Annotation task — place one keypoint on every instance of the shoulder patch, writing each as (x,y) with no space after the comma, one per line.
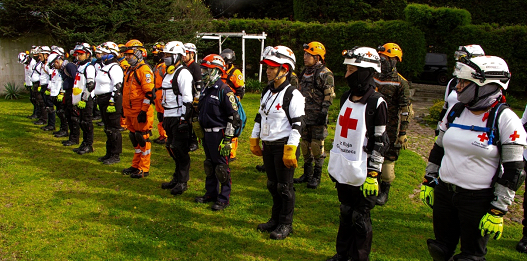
(148,77)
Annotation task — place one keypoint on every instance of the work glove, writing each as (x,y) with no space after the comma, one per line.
(141,117)
(492,223)
(47,92)
(195,103)
(197,129)
(38,89)
(110,108)
(289,157)
(225,146)
(255,146)
(60,97)
(81,105)
(427,190)
(370,186)
(402,140)
(77,91)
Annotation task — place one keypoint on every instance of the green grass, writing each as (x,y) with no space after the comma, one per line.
(57,205)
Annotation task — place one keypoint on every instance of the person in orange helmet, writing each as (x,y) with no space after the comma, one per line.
(159,74)
(138,95)
(124,65)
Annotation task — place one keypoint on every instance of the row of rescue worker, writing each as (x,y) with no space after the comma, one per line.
(288,117)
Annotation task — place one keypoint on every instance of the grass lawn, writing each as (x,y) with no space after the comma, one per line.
(57,205)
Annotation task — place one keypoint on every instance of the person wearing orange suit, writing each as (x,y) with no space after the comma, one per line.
(124,65)
(137,98)
(234,78)
(159,74)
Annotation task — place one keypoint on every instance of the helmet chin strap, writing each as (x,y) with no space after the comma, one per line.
(278,77)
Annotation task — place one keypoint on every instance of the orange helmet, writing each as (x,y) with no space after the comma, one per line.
(315,48)
(131,45)
(391,50)
(213,61)
(158,47)
(136,48)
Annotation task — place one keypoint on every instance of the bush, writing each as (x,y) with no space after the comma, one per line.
(435,112)
(12,91)
(253,85)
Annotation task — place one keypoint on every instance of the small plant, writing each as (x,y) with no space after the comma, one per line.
(12,91)
(253,85)
(435,112)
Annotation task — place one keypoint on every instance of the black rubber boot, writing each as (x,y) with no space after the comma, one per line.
(383,194)
(308,173)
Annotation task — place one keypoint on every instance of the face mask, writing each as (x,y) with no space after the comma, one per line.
(168,60)
(158,58)
(359,81)
(467,94)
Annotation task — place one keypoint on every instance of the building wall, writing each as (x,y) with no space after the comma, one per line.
(10,69)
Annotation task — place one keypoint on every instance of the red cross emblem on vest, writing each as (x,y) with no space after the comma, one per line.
(514,136)
(483,137)
(77,78)
(278,107)
(347,123)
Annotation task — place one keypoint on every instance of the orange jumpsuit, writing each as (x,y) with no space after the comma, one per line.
(138,81)
(234,78)
(159,74)
(124,65)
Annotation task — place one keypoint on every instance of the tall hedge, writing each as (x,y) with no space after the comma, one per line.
(335,36)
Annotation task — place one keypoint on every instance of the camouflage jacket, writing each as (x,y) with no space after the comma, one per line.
(319,96)
(396,92)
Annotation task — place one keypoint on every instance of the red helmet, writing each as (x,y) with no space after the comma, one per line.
(213,61)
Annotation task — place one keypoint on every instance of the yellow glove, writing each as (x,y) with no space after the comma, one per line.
(492,223)
(225,147)
(370,186)
(77,91)
(81,105)
(403,140)
(427,195)
(110,109)
(255,146)
(289,157)
(60,96)
(39,88)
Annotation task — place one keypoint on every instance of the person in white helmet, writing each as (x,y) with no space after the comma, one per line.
(177,104)
(57,90)
(278,124)
(43,80)
(28,62)
(357,155)
(190,60)
(522,244)
(476,164)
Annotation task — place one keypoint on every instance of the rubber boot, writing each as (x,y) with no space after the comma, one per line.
(317,173)
(308,173)
(383,194)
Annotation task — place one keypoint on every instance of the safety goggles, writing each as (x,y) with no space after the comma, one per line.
(271,51)
(484,75)
(461,56)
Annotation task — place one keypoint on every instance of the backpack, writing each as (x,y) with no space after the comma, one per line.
(241,112)
(288,96)
(492,122)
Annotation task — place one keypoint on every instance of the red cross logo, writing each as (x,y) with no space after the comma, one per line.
(278,107)
(514,136)
(368,54)
(347,123)
(483,137)
(77,78)
(290,52)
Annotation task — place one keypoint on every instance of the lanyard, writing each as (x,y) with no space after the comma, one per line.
(264,105)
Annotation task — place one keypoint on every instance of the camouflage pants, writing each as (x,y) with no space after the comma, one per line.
(312,143)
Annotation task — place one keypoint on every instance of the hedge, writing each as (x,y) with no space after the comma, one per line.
(336,37)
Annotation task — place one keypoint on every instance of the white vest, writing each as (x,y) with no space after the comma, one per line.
(107,77)
(55,84)
(83,72)
(172,103)
(347,159)
(35,75)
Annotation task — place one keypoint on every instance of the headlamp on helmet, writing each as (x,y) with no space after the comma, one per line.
(364,57)
(483,70)
(468,51)
(280,55)
(158,47)
(391,50)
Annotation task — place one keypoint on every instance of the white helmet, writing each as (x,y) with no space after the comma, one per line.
(190,47)
(51,59)
(109,48)
(34,50)
(44,49)
(174,47)
(483,70)
(364,57)
(57,50)
(23,57)
(278,55)
(469,51)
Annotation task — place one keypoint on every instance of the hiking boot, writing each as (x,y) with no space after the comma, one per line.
(69,143)
(60,134)
(193,146)
(383,193)
(34,116)
(267,227)
(100,124)
(103,158)
(129,170)
(204,199)
(169,185)
(160,140)
(313,183)
(40,122)
(112,160)
(48,128)
(522,245)
(80,147)
(338,257)
(85,149)
(139,174)
(260,168)
(178,189)
(308,173)
(219,206)
(282,231)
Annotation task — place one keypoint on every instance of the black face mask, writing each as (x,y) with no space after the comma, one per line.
(158,58)
(360,81)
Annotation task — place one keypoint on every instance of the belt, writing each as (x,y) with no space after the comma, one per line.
(215,129)
(276,142)
(457,189)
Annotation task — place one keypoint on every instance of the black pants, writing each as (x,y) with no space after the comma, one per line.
(112,122)
(457,213)
(61,113)
(72,116)
(33,99)
(84,118)
(524,221)
(280,183)
(39,100)
(355,230)
(48,103)
(177,147)
(215,189)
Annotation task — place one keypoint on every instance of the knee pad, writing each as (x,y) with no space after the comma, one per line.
(131,135)
(392,154)
(284,189)
(438,251)
(317,148)
(207,166)
(304,146)
(223,173)
(139,137)
(388,171)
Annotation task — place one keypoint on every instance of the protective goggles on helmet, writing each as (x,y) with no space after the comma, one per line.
(82,48)
(271,51)
(482,76)
(461,56)
(358,58)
